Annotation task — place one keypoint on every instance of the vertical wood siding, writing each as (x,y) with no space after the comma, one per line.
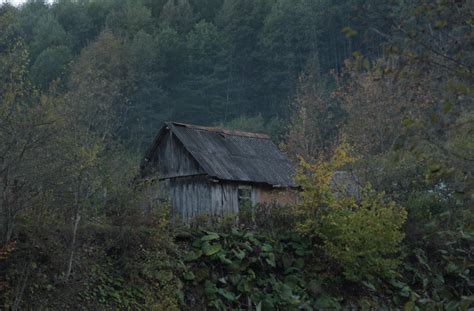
(224,199)
(172,159)
(195,196)
(191,192)
(189,197)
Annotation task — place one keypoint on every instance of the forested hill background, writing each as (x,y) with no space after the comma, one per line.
(379,89)
(205,62)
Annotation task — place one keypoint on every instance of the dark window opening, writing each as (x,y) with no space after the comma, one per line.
(245,195)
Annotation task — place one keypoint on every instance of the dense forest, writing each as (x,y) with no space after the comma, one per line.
(383,89)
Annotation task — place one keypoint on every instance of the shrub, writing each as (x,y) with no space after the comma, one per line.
(361,236)
(269,218)
(241,270)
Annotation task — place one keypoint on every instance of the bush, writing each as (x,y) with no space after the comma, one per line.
(268,218)
(117,268)
(243,270)
(362,237)
(438,253)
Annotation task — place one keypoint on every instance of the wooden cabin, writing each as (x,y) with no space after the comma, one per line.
(212,171)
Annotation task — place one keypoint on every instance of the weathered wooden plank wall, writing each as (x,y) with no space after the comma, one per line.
(172,159)
(197,195)
(192,196)
(189,197)
(224,199)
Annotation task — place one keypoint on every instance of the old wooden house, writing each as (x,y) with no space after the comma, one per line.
(213,171)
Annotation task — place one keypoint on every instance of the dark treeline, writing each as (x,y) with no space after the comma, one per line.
(204,62)
(378,91)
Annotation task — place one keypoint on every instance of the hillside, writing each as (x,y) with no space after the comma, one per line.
(380,89)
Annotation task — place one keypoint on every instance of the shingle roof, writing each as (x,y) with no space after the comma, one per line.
(233,155)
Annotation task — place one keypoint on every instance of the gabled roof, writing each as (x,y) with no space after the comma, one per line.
(231,155)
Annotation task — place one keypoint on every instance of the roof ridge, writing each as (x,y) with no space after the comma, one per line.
(269,166)
(221,131)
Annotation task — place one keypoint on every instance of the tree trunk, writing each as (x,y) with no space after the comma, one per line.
(73,246)
(74,230)
(21,288)
(6,211)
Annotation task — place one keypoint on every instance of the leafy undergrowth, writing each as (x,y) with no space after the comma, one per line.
(239,270)
(144,268)
(115,268)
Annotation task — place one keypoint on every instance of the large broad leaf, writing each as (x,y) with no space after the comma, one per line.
(251,274)
(300,251)
(369,285)
(267,304)
(210,249)
(240,254)
(197,243)
(210,288)
(244,286)
(292,270)
(251,237)
(226,294)
(267,247)
(210,236)
(224,260)
(235,278)
(193,255)
(271,260)
(236,232)
(325,302)
(451,267)
(247,246)
(217,304)
(189,275)
(286,293)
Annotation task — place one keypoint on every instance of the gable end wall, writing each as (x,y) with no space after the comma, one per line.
(173,160)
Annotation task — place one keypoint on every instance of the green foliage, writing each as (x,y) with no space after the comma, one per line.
(85,84)
(439,271)
(270,219)
(273,127)
(130,19)
(133,267)
(438,265)
(362,236)
(396,173)
(107,287)
(205,47)
(203,62)
(47,33)
(177,14)
(241,270)
(51,64)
